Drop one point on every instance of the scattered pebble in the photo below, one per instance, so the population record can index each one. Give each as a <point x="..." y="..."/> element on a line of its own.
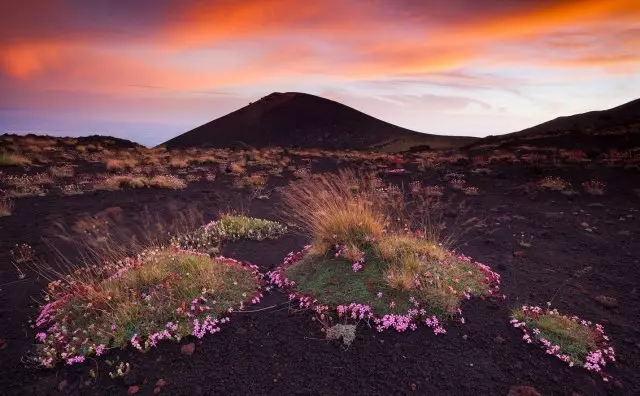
<point x="607" y="302"/>
<point x="188" y="349"/>
<point x="523" y="391"/>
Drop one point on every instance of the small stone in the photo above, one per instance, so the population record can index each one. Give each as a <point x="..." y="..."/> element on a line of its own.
<point x="414" y="387"/>
<point x="63" y="385"/>
<point x="465" y="337"/>
<point x="523" y="391"/>
<point x="157" y="390"/>
<point x="133" y="390"/>
<point x="607" y="302"/>
<point x="588" y="230"/>
<point x="160" y="382"/>
<point x="584" y="225"/>
<point x="499" y="340"/>
<point x="188" y="349"/>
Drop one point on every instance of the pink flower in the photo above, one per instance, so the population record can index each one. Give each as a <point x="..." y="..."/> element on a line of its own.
<point x="41" y="336"/>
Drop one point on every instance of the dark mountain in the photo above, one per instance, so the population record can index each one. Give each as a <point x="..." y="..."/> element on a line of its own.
<point x="616" y="128"/>
<point x="306" y="121"/>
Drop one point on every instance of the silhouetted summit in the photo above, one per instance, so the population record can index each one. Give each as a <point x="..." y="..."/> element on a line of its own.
<point x="301" y="120"/>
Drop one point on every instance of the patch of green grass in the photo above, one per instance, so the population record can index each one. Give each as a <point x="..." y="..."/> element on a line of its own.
<point x="439" y="286"/>
<point x="160" y="294"/>
<point x="573" y="338"/>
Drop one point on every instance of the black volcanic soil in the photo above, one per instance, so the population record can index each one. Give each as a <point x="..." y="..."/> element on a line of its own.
<point x="275" y="351"/>
<point x="295" y="119"/>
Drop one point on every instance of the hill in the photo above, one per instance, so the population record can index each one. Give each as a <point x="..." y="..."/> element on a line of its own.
<point x="306" y="121"/>
<point x="616" y="128"/>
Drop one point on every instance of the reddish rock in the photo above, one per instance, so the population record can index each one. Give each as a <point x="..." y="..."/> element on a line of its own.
<point x="188" y="349"/>
<point x="523" y="391"/>
<point x="133" y="390"/>
<point x="160" y="382"/>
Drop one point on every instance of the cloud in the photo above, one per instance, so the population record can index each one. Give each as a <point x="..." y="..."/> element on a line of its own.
<point x="430" y="53"/>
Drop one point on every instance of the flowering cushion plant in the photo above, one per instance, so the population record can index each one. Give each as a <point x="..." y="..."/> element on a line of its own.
<point x="571" y="339"/>
<point x="395" y="284"/>
<point x="163" y="294"/>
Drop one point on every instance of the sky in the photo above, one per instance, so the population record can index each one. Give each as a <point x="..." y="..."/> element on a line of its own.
<point x="148" y="70"/>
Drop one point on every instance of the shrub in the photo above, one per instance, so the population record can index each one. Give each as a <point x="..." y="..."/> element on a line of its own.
<point x="61" y="171"/>
<point x="7" y="159"/>
<point x="28" y="185"/>
<point x="354" y="270"/>
<point x="116" y="164"/>
<point x="166" y="181"/>
<point x="6" y="206"/>
<point x="131" y="181"/>
<point x="571" y="339"/>
<point x="335" y="209"/>
<point x="471" y="190"/>
<point x="554" y="183"/>
<point x="228" y="228"/>
<point x="158" y="295"/>
<point x="594" y="187"/>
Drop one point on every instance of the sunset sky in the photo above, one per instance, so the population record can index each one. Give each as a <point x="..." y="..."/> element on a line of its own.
<point x="148" y="70"/>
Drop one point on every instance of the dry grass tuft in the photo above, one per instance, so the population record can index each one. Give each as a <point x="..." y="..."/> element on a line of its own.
<point x="6" y="206"/>
<point x="7" y="159"/>
<point x="335" y="209"/>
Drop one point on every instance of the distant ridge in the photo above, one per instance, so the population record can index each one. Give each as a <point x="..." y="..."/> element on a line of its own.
<point x="616" y="128"/>
<point x="301" y="120"/>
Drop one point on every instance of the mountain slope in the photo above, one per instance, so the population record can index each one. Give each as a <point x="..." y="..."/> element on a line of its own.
<point x="616" y="128"/>
<point x="301" y="120"/>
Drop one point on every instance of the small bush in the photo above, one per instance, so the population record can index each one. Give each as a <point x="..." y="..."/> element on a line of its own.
<point x="358" y="269"/>
<point x="555" y="184"/>
<point x="7" y="159"/>
<point x="61" y="171"/>
<point x="158" y="295"/>
<point x="115" y="164"/>
<point x="131" y="181"/>
<point x="335" y="209"/>
<point x="594" y="187"/>
<point x="6" y="206"/>
<point x="571" y="339"/>
<point x="228" y="228"/>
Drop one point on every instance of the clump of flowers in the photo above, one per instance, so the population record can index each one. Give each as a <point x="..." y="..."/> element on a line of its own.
<point x="427" y="298"/>
<point x="228" y="228"/>
<point x="471" y="190"/>
<point x="554" y="183"/>
<point x="573" y="340"/>
<point x="163" y="294"/>
<point x="434" y="191"/>
<point x="594" y="187"/>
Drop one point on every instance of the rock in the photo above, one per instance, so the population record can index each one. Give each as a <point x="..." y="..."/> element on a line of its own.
<point x="584" y="225"/>
<point x="130" y="378"/>
<point x="518" y="254"/>
<point x="624" y="233"/>
<point x="595" y="205"/>
<point x="499" y="340"/>
<point x="588" y="229"/>
<point x="607" y="302"/>
<point x="63" y="385"/>
<point x="160" y="382"/>
<point x="157" y="390"/>
<point x="133" y="390"/>
<point x="188" y="349"/>
<point x="523" y="391"/>
<point x="465" y="337"/>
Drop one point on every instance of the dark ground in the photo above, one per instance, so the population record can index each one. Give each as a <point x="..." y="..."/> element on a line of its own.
<point x="275" y="351"/>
